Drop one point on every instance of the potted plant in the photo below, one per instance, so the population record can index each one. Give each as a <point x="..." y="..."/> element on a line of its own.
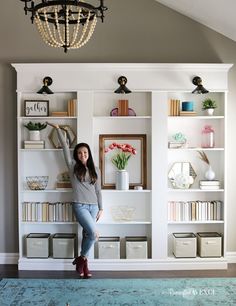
<point x="209" y="105"/>
<point x="34" y="129"/>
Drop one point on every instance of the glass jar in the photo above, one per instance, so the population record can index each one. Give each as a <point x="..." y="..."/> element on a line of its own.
<point x="208" y="137"/>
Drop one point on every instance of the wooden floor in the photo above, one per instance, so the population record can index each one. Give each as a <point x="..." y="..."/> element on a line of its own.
<point x="11" y="271"/>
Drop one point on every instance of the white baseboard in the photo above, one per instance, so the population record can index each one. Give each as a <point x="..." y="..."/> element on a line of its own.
<point x="9" y="258"/>
<point x="231" y="257"/>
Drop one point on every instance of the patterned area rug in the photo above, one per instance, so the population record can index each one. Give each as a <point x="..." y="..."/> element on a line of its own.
<point x="102" y="292"/>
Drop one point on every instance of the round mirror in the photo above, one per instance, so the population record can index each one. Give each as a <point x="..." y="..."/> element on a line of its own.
<point x="182" y="175"/>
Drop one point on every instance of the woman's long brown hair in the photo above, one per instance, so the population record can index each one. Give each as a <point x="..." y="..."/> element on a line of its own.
<point x="80" y="169"/>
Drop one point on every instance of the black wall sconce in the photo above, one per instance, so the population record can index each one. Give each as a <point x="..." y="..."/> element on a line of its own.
<point x="47" y="81"/>
<point x="199" y="89"/>
<point x="122" y="89"/>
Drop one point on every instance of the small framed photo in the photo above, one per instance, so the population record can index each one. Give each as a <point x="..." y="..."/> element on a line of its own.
<point x="36" y="108"/>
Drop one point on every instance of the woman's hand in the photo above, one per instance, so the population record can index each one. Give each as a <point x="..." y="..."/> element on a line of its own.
<point x="56" y="126"/>
<point x="99" y="214"/>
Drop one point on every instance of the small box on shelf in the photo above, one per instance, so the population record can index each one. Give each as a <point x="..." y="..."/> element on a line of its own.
<point x="37" y="245"/>
<point x="109" y="248"/>
<point x="184" y="245"/>
<point x="136" y="247"/>
<point x="64" y="245"/>
<point x="209" y="244"/>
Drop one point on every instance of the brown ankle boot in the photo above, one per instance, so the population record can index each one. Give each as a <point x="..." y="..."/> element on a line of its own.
<point x="79" y="262"/>
<point x="87" y="273"/>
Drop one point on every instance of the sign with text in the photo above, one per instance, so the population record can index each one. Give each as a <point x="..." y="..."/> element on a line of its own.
<point x="36" y="108"/>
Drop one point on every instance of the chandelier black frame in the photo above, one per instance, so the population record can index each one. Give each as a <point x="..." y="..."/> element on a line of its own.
<point x="64" y="23"/>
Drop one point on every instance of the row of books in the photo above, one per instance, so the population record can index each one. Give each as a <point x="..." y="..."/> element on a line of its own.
<point x="47" y="212"/>
<point x="71" y="110"/>
<point x="195" y="210"/>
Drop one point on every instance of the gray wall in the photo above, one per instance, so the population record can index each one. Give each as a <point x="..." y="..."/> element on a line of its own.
<point x="135" y="31"/>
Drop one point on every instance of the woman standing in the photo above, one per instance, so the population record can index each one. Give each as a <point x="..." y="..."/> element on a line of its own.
<point x="87" y="201"/>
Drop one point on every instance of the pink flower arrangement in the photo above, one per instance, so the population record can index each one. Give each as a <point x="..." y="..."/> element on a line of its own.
<point x="120" y="160"/>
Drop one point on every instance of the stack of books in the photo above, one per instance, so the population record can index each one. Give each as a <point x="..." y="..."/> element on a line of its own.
<point x="187" y="113"/>
<point x="123" y="108"/>
<point x="209" y="185"/>
<point x="176" y="144"/>
<point x="34" y="144"/>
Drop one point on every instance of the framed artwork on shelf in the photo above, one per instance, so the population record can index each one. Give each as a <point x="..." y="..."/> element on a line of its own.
<point x="110" y="146"/>
<point x="36" y="108"/>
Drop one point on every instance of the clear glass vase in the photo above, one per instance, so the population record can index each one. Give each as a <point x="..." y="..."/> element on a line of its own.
<point x="208" y="137"/>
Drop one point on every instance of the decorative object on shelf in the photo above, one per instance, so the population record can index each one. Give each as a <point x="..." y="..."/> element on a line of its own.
<point x="37" y="182"/>
<point x="138" y="187"/>
<point x="34" y="129"/>
<point x="187" y="106"/>
<point x="122" y="213"/>
<point x="69" y="134"/>
<point x="179" y="141"/>
<point x="36" y="108"/>
<point x="122" y="89"/>
<point x="45" y="90"/>
<point x="209" y="106"/>
<point x="209" y="174"/>
<point x="63" y="181"/>
<point x="208" y="137"/>
<point x="197" y="81"/>
<point x="67" y="24"/>
<point x="122" y="180"/>
<point x="123" y="107"/>
<point x="182" y="175"/>
<point x="136" y="167"/>
<point x="114" y="112"/>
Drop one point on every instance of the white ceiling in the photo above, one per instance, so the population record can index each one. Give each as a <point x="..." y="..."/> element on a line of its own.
<point x="219" y="15"/>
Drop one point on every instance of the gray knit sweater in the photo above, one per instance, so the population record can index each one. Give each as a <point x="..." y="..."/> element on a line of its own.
<point x="83" y="192"/>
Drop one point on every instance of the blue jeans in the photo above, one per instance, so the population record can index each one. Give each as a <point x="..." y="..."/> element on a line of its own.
<point x="86" y="216"/>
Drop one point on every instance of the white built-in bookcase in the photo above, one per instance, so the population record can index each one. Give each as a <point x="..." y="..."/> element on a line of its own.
<point x="152" y="85"/>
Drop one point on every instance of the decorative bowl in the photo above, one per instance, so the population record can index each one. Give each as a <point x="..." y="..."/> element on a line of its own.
<point x="122" y="213"/>
<point x="37" y="182"/>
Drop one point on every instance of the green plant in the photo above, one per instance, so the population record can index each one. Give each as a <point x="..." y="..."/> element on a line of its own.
<point x="35" y="126"/>
<point x="208" y="103"/>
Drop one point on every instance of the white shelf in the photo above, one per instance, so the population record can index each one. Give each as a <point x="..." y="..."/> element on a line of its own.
<point x="121" y="117"/>
<point x="44" y="150"/>
<point x="125" y="191"/>
<point x="45" y="191"/>
<point x="123" y="222"/>
<point x="48" y="223"/>
<point x="197" y="149"/>
<point x="45" y="118"/>
<point x="196" y="222"/>
<point x="194" y="190"/>
<point x="196" y="117"/>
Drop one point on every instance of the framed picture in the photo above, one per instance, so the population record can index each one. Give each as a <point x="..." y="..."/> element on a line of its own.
<point x="137" y="164"/>
<point x="36" y="108"/>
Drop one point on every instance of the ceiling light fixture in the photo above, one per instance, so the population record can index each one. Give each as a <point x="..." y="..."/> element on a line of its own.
<point x="67" y="24"/>
<point x="199" y="89"/>
<point x="122" y="89"/>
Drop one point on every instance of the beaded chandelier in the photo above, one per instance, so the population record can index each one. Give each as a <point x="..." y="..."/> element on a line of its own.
<point x="67" y="24"/>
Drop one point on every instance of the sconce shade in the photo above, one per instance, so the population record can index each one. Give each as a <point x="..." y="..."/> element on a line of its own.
<point x="47" y="81"/>
<point x="122" y="89"/>
<point x="199" y="89"/>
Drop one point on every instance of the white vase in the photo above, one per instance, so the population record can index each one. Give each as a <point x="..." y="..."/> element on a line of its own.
<point x="34" y="135"/>
<point x="122" y="180"/>
<point x="210" y="111"/>
<point x="210" y="174"/>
